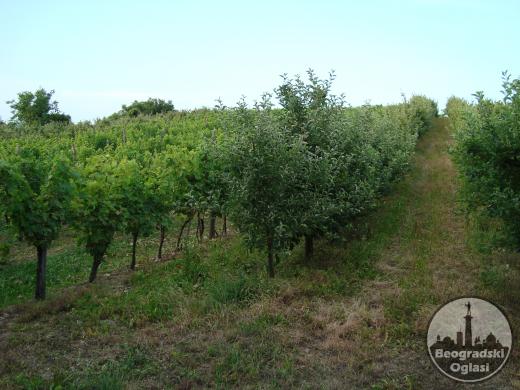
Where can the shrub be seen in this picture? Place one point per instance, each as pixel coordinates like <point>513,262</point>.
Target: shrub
<point>487,152</point>
<point>422,112</point>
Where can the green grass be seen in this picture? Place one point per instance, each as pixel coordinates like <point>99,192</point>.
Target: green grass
<point>68,267</point>
<point>134,364</point>
<point>205,286</point>
<point>67,264</point>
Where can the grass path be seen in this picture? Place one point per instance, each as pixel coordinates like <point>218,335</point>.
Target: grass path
<point>429,262</point>
<point>355,318</point>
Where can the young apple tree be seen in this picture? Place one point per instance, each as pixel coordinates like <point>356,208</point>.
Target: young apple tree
<point>264,162</point>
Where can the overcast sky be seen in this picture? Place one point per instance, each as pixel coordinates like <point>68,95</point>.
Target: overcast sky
<point>98,55</point>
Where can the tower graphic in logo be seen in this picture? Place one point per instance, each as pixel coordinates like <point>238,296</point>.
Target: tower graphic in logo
<point>478,352</point>
<point>468,318</point>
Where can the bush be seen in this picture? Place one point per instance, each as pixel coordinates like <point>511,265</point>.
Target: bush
<point>422,112</point>
<point>487,152</point>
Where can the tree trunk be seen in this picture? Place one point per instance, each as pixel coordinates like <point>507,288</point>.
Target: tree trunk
<point>189,226</point>
<point>270,263</point>
<point>179,238</point>
<point>202,228</point>
<point>197,232</point>
<point>309,247</point>
<point>134,245</point>
<point>162,229</point>
<point>95,265</point>
<point>212,225</point>
<point>40,271</point>
<point>224,225</point>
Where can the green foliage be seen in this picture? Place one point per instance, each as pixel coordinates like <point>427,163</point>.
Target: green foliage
<point>98,210</point>
<point>313,115</point>
<point>266,164</point>
<point>135,197</point>
<point>310,169</point>
<point>36,108</point>
<point>459,111</point>
<point>422,111</point>
<point>147,107</point>
<point>307,169</point>
<point>495,276</point>
<point>212,188</point>
<point>487,152</point>
<point>36,196</point>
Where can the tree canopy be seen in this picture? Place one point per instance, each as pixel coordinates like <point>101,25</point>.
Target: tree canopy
<point>36,108</point>
<point>148,107</point>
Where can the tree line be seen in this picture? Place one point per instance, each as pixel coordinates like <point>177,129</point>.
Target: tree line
<point>487,153</point>
<point>300,170</point>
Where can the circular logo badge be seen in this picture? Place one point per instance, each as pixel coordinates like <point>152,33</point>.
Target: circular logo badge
<point>469,339</point>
